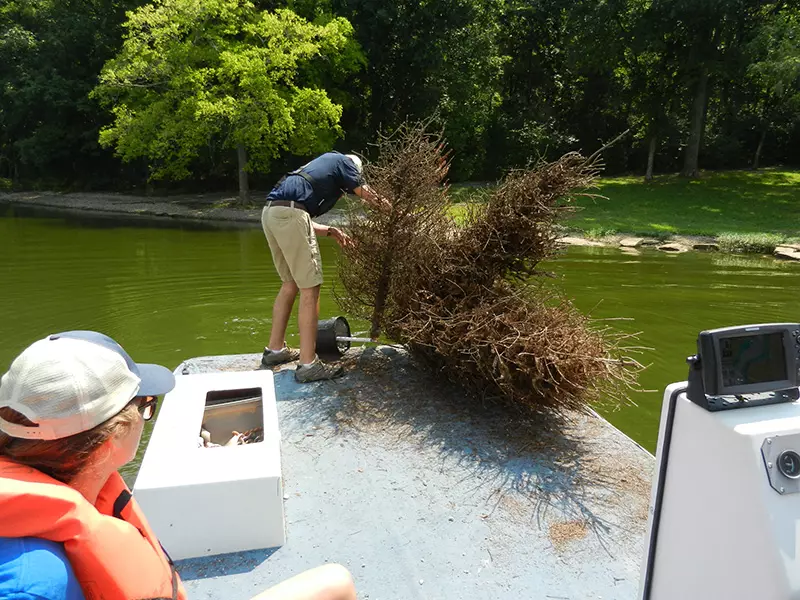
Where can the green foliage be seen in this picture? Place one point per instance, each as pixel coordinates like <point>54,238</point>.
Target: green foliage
<point>218,73</point>
<point>5,184</point>
<point>777,53</point>
<point>512,81</point>
<point>50,54</point>
<point>598,233</point>
<point>749,243</point>
<point>439,56</point>
<point>774,72</point>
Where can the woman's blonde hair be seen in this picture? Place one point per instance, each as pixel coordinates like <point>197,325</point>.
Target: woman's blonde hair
<point>63,459</point>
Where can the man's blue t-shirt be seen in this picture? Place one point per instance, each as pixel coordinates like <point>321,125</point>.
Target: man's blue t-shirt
<point>35,569</point>
<point>333,175</point>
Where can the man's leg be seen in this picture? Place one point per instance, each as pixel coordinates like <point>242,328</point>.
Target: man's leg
<point>281,311</point>
<point>308,318</point>
<point>275,354</point>
<point>299,247</point>
<point>310,368</point>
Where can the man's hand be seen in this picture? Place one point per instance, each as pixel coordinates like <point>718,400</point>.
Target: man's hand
<point>377,202</point>
<point>369,196</point>
<point>383,204</point>
<point>340,236</point>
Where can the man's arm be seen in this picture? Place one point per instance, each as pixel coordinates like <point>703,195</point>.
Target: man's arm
<point>328,231</point>
<point>368,195</point>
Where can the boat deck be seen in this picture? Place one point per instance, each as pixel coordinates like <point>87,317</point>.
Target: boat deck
<point>424,495</point>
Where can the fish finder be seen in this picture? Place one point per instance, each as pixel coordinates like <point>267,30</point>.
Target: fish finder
<point>745,366</point>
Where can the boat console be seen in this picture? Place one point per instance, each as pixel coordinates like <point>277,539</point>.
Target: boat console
<point>725,506</point>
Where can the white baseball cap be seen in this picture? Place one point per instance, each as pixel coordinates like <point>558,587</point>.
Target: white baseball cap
<point>70,382</point>
<point>357,162</point>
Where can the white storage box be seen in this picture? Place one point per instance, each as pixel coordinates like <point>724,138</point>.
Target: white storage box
<point>205,501</point>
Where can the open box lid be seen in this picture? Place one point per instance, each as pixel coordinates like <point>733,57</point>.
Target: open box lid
<point>173,458</point>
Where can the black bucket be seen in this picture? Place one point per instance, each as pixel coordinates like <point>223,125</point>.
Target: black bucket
<point>327,332</point>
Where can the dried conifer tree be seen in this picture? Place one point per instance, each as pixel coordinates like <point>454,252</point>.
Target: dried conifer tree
<point>465,298</point>
<point>388,248</point>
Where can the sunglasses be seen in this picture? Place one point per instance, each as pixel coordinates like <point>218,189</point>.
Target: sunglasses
<point>147,406</point>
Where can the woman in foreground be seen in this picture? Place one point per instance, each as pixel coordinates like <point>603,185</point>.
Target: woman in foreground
<point>72,412</point>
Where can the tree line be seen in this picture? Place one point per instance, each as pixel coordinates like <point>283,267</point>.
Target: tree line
<point>119,94</point>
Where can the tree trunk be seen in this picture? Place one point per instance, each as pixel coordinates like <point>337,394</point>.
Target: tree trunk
<point>760,147</point>
<point>382,292</point>
<point>380,302</point>
<point>690,164</point>
<point>244,190</point>
<point>651,156</point>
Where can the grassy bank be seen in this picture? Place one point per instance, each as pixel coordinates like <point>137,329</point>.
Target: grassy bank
<point>743,204</point>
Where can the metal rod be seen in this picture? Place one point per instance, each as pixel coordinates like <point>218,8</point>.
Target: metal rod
<point>356,339</point>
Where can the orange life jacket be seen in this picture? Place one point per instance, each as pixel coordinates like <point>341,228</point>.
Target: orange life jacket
<point>111,548</point>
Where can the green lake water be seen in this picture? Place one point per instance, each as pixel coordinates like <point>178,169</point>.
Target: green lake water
<point>167,294</point>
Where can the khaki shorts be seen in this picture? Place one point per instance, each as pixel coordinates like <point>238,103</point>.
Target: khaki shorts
<point>293,244</point>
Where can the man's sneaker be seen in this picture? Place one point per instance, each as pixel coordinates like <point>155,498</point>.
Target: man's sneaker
<point>272,359</point>
<point>317,371</point>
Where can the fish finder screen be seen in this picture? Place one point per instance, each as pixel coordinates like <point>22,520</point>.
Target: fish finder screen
<point>752,359</point>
